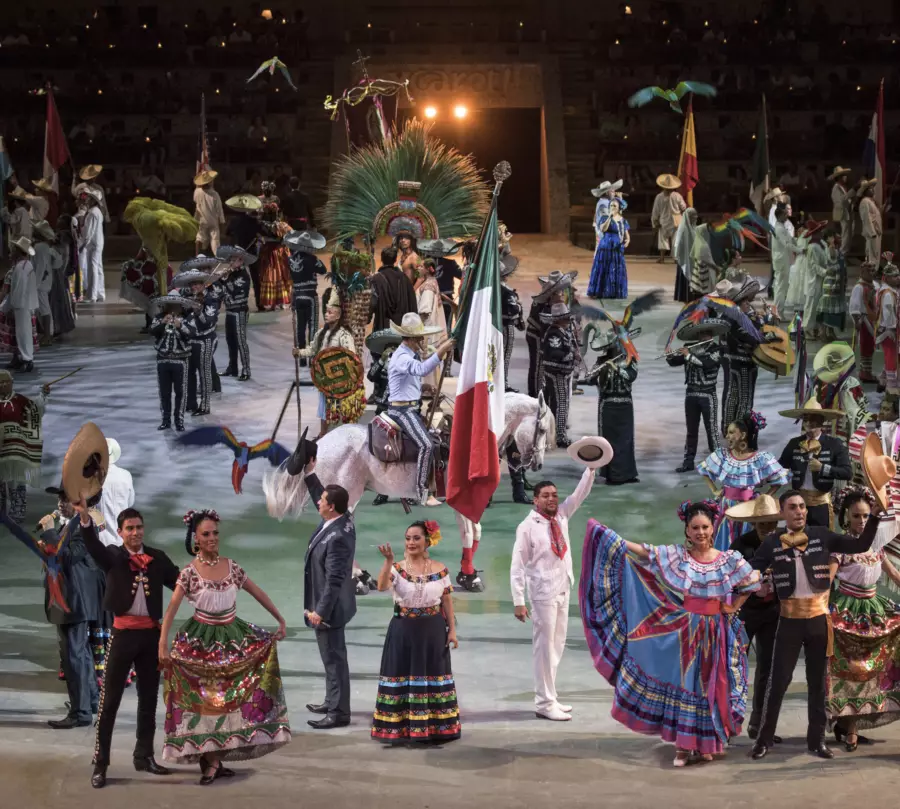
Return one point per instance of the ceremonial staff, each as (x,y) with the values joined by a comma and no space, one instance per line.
(296,384)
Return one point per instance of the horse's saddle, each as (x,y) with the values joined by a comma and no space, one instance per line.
(390,444)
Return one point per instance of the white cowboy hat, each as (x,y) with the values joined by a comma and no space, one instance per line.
(44,230)
(592,451)
(669,182)
(412,326)
(19,193)
(205,177)
(839,171)
(606,186)
(115,451)
(91,171)
(24,244)
(832,361)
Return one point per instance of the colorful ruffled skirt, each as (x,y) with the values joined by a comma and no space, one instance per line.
(416,691)
(675,674)
(223,694)
(275,287)
(864,674)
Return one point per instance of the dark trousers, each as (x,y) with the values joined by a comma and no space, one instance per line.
(761,630)
(535,365)
(254,279)
(700,405)
(138,647)
(307,309)
(792,635)
(333,651)
(203,378)
(557,391)
(172,376)
(78,666)
(236,339)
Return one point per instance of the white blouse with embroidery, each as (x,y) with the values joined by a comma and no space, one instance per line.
(416,592)
(209,596)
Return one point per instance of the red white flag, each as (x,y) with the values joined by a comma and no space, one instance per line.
(56,153)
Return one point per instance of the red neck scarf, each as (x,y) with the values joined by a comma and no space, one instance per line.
(139,561)
(557,540)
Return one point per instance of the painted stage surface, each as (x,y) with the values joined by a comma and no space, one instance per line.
(506,756)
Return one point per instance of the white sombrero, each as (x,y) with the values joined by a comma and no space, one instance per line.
(592,451)
(412,326)
(605,187)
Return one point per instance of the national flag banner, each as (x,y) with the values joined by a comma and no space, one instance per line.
(6,171)
(759,181)
(203,162)
(56,153)
(874,153)
(479,412)
(688,168)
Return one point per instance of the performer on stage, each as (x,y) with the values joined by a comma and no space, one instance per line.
(668,208)
(20,300)
(864,672)
(865,315)
(739,369)
(305,268)
(683,253)
(381,344)
(842,197)
(416,691)
(135,577)
(235,290)
(21,444)
(614,376)
(90,246)
(821,262)
(193,282)
(553,288)
(832,312)
(701,360)
(783,250)
(816,461)
(274,267)
(887,331)
(637,600)
(736,471)
(428,304)
(558,352)
(208,212)
(838,389)
(118,494)
(870,219)
(799,558)
(223,690)
(609,274)
(172,330)
(244,230)
(47,260)
(408,259)
(511,313)
(87,183)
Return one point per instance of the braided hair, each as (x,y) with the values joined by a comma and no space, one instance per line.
(192,519)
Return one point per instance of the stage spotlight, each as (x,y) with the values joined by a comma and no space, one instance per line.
(430,112)
(460,111)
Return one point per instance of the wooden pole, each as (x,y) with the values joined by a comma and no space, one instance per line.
(283,409)
(296,385)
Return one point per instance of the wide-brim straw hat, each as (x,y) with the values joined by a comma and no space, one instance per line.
(764,508)
(188,277)
(839,171)
(812,408)
(173,299)
(205,177)
(555,282)
(86,464)
(43,184)
(668,182)
(90,172)
(878,469)
(864,184)
(714,326)
(24,244)
(592,450)
(832,361)
(44,229)
(227,252)
(380,341)
(776,356)
(19,193)
(777,191)
(605,187)
(412,326)
(307,241)
(244,202)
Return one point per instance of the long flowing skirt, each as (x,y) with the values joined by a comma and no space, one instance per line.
(416,691)
(274,276)
(864,674)
(727,531)
(676,675)
(615,422)
(682,287)
(223,694)
(609,275)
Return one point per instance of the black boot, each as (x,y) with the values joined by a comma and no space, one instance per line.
(686,466)
(165,425)
(229,371)
(245,375)
(526,485)
(380,500)
(517,479)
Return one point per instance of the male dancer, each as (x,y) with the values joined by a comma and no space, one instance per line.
(842,207)
(305,267)
(208,212)
(173,350)
(888,330)
(559,352)
(865,316)
(511,315)
(553,289)
(193,280)
(135,577)
(799,558)
(236,297)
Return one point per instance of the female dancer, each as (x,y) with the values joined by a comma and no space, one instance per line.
(609,275)
(431,310)
(275,286)
(864,673)
(693,694)
(223,691)
(416,691)
(736,472)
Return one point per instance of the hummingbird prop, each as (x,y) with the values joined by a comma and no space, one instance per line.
(212,436)
(622,329)
(47,556)
(643,97)
(271,65)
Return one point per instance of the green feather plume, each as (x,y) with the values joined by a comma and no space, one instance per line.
(366,180)
(158,223)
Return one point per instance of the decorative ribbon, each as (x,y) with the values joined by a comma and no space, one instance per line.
(139,561)
(794,539)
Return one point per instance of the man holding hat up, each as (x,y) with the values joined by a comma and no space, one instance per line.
(208,211)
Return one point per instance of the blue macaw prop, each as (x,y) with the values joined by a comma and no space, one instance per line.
(645,96)
(271,65)
(713,306)
(622,329)
(47,556)
(271,450)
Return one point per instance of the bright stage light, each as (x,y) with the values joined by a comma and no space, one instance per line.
(459,111)
(430,112)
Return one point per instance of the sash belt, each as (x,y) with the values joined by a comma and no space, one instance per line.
(810,608)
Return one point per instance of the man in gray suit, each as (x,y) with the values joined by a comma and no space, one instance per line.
(329,595)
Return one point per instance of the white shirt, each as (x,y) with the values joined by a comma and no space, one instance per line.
(18,221)
(40,207)
(840,203)
(118,494)
(209,207)
(79,186)
(667,210)
(870,217)
(533,561)
(92,230)
(45,260)
(782,245)
(22,286)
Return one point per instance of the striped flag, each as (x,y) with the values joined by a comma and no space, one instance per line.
(56,153)
(873,154)
(688,168)
(203,162)
(6,171)
(759,182)
(479,412)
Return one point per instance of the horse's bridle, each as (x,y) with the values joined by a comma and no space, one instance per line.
(525,460)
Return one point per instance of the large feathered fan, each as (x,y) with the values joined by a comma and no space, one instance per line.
(212,436)
(158,223)
(645,96)
(271,65)
(621,328)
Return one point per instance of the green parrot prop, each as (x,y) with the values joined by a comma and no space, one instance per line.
(271,65)
(645,96)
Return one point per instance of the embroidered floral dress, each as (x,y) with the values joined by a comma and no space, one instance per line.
(655,631)
(416,691)
(223,691)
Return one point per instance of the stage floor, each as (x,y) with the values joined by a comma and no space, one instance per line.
(506,758)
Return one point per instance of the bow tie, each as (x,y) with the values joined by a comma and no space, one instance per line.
(794,539)
(139,561)
(811,446)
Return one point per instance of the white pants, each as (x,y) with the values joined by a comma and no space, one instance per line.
(549,625)
(782,278)
(873,249)
(846,235)
(24,334)
(208,235)
(94,285)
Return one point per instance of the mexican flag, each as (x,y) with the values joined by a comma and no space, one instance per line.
(478,415)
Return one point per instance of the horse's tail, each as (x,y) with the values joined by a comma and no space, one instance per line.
(285,494)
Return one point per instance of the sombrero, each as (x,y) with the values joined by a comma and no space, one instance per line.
(605,187)
(89,172)
(839,171)
(19,193)
(878,469)
(764,508)
(43,184)
(205,177)
(668,182)
(592,451)
(714,326)
(161,301)
(198,263)
(24,244)
(188,277)
(776,356)
(508,265)
(772,193)
(832,361)
(559,311)
(336,372)
(412,326)
(86,464)
(812,408)
(227,252)
(44,229)
(244,202)
(306,241)
(864,184)
(555,282)
(380,341)
(437,248)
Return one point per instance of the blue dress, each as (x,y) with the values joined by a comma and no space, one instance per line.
(609,276)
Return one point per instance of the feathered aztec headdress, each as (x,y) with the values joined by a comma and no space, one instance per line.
(441,192)
(158,223)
